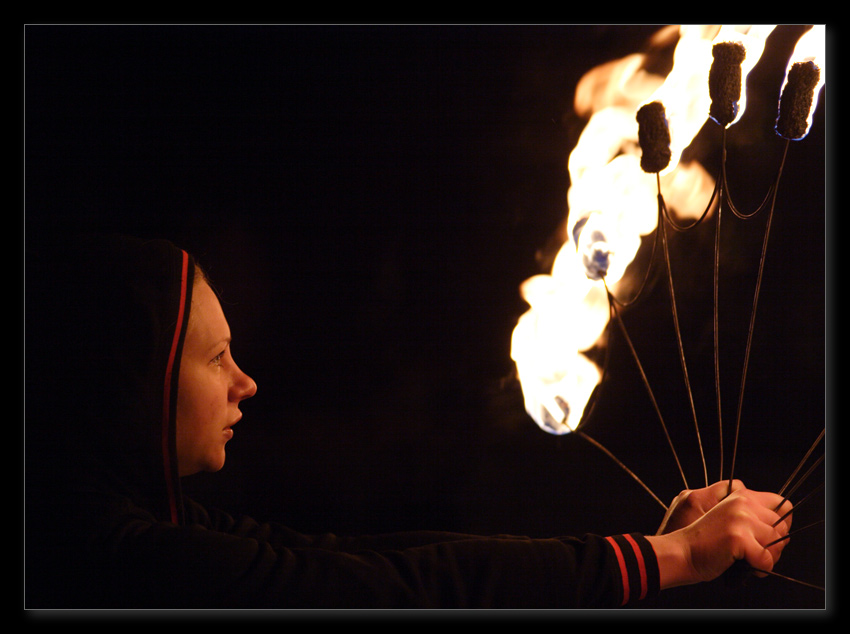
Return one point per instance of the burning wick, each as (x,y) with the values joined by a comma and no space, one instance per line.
(795,104)
(653,137)
(611,210)
(724,81)
(606,197)
(596,257)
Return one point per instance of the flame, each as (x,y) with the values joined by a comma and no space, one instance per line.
(811,47)
(613,203)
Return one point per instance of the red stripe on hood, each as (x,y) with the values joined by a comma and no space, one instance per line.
(166,400)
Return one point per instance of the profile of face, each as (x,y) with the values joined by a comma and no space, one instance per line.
(210,386)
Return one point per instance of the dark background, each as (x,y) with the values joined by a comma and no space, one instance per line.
(368,200)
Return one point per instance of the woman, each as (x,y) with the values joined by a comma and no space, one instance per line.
(131,385)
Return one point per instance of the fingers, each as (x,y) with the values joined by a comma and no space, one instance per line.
(765,550)
(785,509)
(719,490)
(772,509)
(692,504)
(760,533)
(727,487)
(762,560)
(726,522)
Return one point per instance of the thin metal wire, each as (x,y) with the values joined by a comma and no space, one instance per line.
(682,228)
(752,569)
(753,313)
(796,506)
(716,328)
(663,228)
(794,532)
(803,479)
(719,194)
(771,191)
(799,581)
(642,287)
(599,446)
(802,462)
(613,307)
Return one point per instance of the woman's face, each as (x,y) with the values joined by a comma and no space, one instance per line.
(210,387)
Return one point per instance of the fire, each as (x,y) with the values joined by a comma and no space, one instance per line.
(613,203)
(810,49)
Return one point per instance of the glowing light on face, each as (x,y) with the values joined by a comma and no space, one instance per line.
(612,204)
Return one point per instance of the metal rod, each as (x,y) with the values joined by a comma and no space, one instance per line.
(776,574)
(802,462)
(683,363)
(797,505)
(622,326)
(800,481)
(621,465)
(794,532)
(753,319)
(716,326)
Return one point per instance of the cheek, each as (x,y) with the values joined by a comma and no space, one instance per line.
(191,406)
(200,416)
(200,406)
(200,400)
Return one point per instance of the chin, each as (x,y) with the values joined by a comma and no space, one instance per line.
(216,465)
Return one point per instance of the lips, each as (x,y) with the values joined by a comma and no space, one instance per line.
(228,431)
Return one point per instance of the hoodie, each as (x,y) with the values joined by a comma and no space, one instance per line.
(107,525)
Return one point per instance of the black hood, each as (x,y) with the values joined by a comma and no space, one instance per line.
(105,323)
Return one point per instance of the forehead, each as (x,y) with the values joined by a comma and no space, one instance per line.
(207,323)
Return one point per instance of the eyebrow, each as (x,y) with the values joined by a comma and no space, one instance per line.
(215,346)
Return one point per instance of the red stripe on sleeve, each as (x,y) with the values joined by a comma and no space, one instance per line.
(624,575)
(641,565)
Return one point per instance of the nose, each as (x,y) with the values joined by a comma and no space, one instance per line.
(243,386)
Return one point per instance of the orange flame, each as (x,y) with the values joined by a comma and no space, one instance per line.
(811,47)
(613,203)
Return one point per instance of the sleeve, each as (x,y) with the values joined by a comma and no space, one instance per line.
(638,566)
(222,562)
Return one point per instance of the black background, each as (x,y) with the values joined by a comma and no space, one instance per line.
(368,200)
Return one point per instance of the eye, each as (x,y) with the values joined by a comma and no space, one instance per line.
(217,359)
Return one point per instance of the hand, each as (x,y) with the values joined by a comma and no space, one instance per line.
(735,527)
(692,504)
